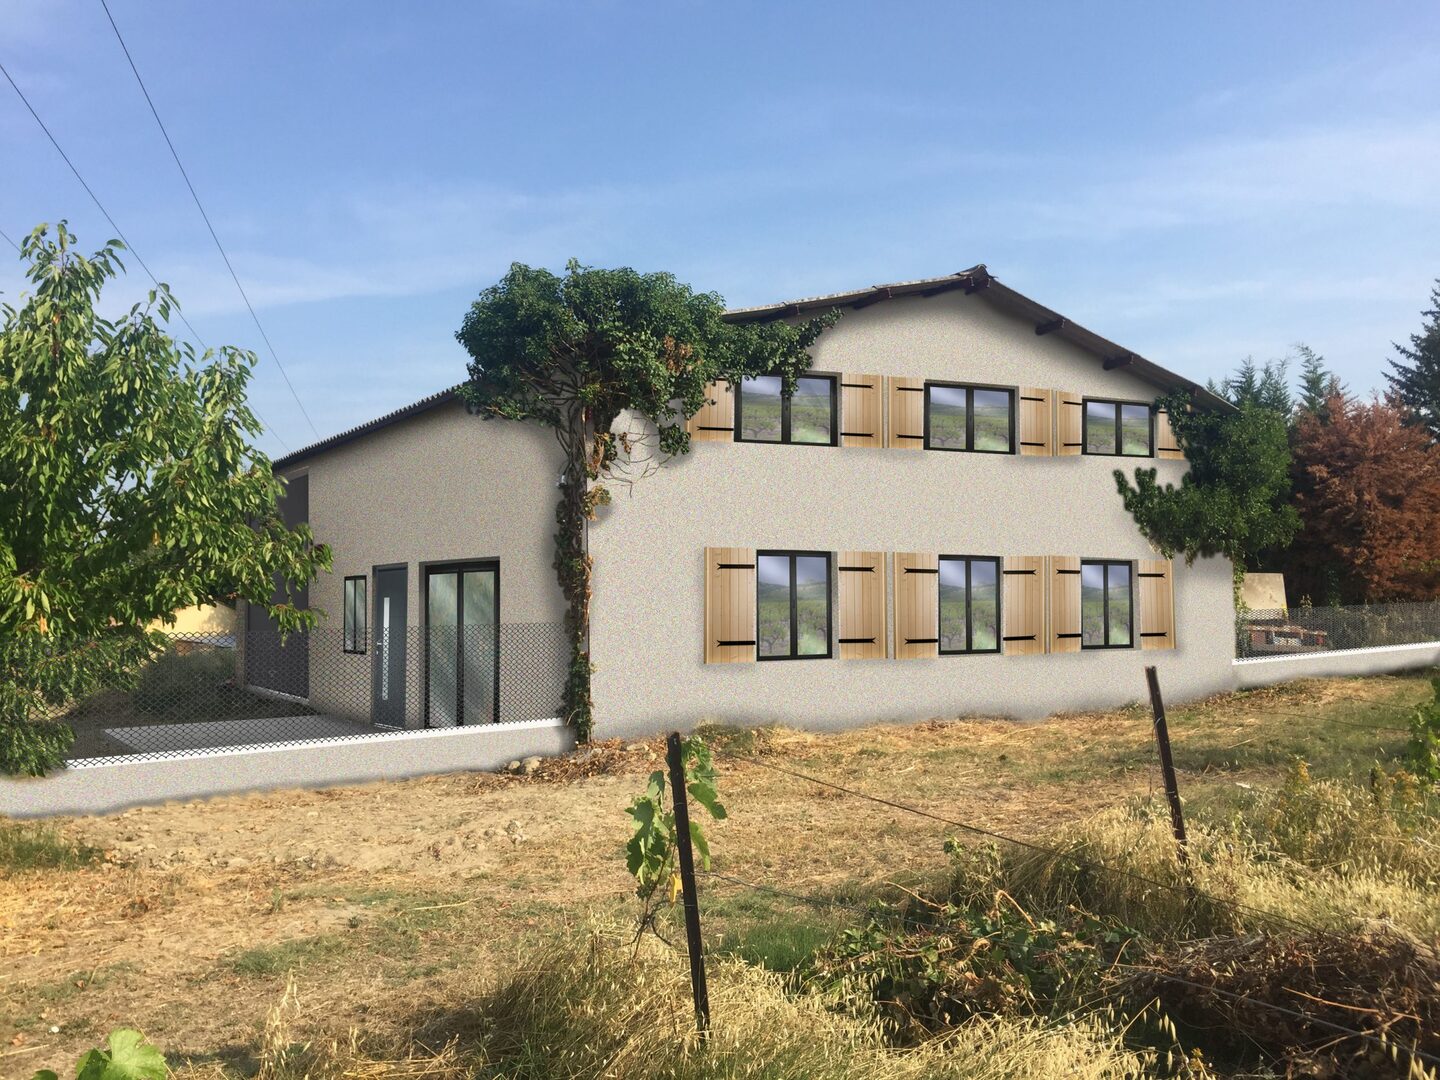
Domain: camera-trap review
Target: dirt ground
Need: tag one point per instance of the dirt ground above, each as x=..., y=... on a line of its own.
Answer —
x=389, y=901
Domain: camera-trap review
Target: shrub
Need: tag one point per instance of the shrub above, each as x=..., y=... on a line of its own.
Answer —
x=1423, y=751
x=126, y=1056
x=175, y=684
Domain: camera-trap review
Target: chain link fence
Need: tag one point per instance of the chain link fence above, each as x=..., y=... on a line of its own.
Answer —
x=1328, y=629
x=202, y=692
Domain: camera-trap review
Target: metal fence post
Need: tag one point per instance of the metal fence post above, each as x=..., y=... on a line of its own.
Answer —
x=675, y=758
x=1167, y=765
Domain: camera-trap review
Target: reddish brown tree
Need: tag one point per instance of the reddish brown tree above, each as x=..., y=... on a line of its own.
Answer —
x=1367, y=486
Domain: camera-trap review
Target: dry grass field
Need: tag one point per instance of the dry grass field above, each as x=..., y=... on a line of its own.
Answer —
x=392, y=910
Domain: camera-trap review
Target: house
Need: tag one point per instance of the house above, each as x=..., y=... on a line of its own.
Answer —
x=929, y=527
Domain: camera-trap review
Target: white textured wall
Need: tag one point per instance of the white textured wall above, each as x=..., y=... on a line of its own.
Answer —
x=440, y=486
x=648, y=625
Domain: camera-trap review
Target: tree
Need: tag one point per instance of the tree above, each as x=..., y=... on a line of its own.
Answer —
x=1267, y=386
x=128, y=490
x=1233, y=500
x=1368, y=492
x=1317, y=385
x=1415, y=378
x=575, y=353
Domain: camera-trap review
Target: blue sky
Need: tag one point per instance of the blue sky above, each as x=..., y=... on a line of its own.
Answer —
x=1197, y=183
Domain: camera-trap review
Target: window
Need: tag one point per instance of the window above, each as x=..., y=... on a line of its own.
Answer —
x=974, y=418
x=1117, y=427
x=355, y=629
x=969, y=604
x=1105, y=605
x=764, y=414
x=792, y=605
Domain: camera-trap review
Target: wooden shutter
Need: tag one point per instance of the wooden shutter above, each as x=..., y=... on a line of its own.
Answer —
x=1022, y=604
x=862, y=605
x=917, y=605
x=729, y=605
x=861, y=411
x=1069, y=424
x=715, y=422
x=1165, y=444
x=1157, y=604
x=1064, y=594
x=1037, y=422
x=907, y=413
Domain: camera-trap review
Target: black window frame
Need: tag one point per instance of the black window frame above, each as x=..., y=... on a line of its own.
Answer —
x=970, y=388
x=1085, y=402
x=352, y=642
x=794, y=654
x=969, y=597
x=1105, y=584
x=458, y=568
x=785, y=433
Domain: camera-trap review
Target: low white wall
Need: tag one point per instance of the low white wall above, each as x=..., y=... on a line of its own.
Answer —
x=104, y=785
x=1269, y=670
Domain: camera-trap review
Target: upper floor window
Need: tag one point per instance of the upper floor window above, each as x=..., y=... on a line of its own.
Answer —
x=1118, y=427
x=792, y=608
x=969, y=604
x=763, y=412
x=975, y=418
x=1106, y=607
x=354, y=604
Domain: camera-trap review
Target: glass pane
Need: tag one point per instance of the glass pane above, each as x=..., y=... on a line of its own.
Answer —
x=1092, y=604
x=1100, y=427
x=1119, y=605
x=478, y=648
x=1135, y=429
x=947, y=417
x=772, y=574
x=362, y=617
x=984, y=605
x=812, y=605
x=440, y=643
x=992, y=420
x=810, y=413
x=349, y=604
x=952, y=605
x=760, y=408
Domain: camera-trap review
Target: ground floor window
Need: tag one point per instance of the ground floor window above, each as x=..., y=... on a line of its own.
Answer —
x=354, y=621
x=969, y=604
x=792, y=606
x=462, y=644
x=1106, y=605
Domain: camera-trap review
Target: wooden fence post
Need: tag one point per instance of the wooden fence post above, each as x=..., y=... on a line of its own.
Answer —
x=1167, y=765
x=675, y=758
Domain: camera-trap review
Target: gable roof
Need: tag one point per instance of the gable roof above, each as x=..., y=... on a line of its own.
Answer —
x=980, y=282
x=977, y=281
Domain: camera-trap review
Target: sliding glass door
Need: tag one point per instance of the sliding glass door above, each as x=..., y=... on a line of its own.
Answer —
x=462, y=646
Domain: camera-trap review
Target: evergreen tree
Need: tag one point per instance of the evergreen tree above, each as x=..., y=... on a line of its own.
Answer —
x=1273, y=391
x=1415, y=379
x=1317, y=385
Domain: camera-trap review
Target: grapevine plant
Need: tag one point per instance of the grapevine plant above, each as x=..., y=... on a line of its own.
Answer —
x=650, y=854
x=127, y=1056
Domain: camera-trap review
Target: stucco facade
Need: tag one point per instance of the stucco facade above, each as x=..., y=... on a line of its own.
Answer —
x=441, y=485
x=647, y=626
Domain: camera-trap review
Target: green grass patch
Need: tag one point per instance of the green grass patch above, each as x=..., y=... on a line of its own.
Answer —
x=35, y=847
x=782, y=943
x=287, y=955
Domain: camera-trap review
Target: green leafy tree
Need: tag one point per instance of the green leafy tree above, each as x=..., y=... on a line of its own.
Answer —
x=1233, y=501
x=128, y=490
x=581, y=351
x=1415, y=374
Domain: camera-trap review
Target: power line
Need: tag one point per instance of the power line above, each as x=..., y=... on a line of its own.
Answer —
x=12, y=243
x=119, y=233
x=200, y=206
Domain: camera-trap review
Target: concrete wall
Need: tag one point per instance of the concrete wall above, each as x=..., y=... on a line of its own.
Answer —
x=440, y=486
x=648, y=625
x=105, y=785
x=1269, y=670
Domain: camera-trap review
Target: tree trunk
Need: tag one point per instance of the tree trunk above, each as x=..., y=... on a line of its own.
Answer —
x=572, y=568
